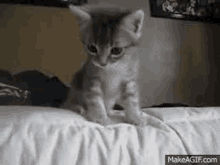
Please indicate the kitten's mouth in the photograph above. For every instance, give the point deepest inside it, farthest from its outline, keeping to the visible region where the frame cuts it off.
(102, 65)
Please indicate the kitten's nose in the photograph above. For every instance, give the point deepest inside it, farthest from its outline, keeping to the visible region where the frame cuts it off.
(103, 60)
(103, 64)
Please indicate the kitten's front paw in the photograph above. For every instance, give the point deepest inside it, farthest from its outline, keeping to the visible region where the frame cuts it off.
(100, 120)
(137, 119)
(73, 107)
(78, 109)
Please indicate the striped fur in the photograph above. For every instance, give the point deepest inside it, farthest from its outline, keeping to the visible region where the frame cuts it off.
(108, 77)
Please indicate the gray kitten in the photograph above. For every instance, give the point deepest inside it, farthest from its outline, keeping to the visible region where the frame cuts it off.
(109, 75)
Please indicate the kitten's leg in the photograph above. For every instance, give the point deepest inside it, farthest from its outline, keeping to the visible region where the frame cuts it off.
(71, 102)
(131, 104)
(95, 107)
(109, 104)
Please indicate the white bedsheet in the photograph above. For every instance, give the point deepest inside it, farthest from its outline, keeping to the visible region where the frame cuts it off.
(49, 136)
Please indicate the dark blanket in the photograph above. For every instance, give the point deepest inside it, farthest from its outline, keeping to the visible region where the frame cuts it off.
(42, 90)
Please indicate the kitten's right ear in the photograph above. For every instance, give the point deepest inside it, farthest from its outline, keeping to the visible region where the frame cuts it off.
(81, 15)
(133, 23)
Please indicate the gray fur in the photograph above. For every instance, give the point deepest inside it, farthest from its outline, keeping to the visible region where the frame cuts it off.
(110, 37)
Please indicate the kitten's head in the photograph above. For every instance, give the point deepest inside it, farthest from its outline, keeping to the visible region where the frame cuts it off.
(108, 33)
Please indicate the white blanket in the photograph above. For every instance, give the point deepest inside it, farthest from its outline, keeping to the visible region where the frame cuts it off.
(49, 136)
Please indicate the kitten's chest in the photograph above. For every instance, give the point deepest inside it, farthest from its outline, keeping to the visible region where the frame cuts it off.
(111, 83)
(113, 78)
(124, 71)
(109, 78)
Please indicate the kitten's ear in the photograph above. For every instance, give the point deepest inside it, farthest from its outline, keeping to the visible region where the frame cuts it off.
(133, 23)
(81, 15)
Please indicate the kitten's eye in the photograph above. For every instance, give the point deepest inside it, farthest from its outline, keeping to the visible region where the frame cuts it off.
(92, 48)
(116, 50)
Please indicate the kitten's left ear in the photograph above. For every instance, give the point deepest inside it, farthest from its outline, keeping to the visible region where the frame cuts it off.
(133, 23)
(81, 15)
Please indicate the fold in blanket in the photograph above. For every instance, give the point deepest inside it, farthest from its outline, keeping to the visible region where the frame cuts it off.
(9, 90)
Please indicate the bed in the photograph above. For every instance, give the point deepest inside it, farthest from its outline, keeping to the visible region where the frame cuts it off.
(36, 131)
(52, 136)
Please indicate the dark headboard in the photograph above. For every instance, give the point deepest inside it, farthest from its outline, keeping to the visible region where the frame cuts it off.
(194, 10)
(46, 3)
